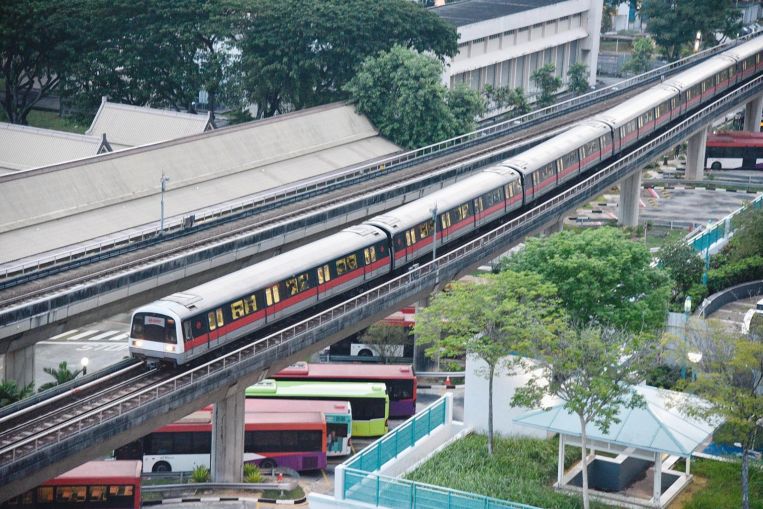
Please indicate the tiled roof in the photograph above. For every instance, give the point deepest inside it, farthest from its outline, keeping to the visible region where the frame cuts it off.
(23, 147)
(137, 125)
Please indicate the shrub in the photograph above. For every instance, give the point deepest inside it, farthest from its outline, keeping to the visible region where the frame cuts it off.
(200, 473)
(663, 376)
(697, 293)
(747, 269)
(252, 473)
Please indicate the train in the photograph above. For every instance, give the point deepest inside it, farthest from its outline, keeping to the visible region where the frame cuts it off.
(185, 325)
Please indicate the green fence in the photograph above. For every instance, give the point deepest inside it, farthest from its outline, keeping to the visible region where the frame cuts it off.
(386, 491)
(717, 231)
(401, 438)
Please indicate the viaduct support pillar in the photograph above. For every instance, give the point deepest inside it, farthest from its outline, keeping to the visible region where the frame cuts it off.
(19, 366)
(695, 156)
(752, 112)
(630, 196)
(228, 437)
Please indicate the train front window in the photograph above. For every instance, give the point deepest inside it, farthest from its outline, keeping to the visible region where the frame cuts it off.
(153, 327)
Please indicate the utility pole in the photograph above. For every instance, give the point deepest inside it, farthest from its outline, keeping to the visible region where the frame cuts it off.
(163, 182)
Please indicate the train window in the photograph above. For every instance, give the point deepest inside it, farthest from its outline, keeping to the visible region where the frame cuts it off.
(219, 314)
(407, 238)
(509, 191)
(425, 229)
(324, 275)
(478, 205)
(370, 255)
(352, 262)
(187, 332)
(272, 295)
(462, 211)
(291, 286)
(211, 318)
(445, 220)
(303, 282)
(237, 309)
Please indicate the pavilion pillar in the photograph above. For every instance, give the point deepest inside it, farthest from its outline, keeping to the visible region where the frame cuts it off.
(695, 155)
(560, 466)
(630, 196)
(228, 437)
(688, 465)
(657, 493)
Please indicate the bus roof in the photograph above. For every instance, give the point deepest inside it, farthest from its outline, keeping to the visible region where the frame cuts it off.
(348, 371)
(735, 139)
(201, 420)
(310, 389)
(102, 470)
(255, 405)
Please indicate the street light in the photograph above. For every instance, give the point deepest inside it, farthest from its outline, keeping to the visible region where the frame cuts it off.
(84, 362)
(163, 182)
(694, 358)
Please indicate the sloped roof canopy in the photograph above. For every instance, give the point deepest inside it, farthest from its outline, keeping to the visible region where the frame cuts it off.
(659, 426)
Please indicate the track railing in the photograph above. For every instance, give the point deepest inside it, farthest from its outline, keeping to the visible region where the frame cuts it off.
(306, 188)
(426, 275)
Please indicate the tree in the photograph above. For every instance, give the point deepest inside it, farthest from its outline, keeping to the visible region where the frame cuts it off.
(489, 319)
(602, 277)
(747, 240)
(593, 370)
(641, 56)
(578, 79)
(674, 23)
(39, 42)
(61, 375)
(401, 93)
(548, 84)
(518, 100)
(682, 264)
(300, 53)
(729, 378)
(10, 392)
(388, 340)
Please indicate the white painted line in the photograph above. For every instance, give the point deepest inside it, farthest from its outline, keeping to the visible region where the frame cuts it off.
(75, 343)
(82, 335)
(120, 337)
(103, 335)
(64, 334)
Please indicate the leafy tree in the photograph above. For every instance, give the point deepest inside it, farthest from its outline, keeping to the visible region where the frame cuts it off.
(518, 100)
(730, 378)
(61, 375)
(10, 392)
(641, 56)
(593, 371)
(507, 97)
(747, 240)
(388, 340)
(489, 319)
(674, 23)
(401, 93)
(300, 53)
(578, 79)
(602, 276)
(547, 82)
(683, 266)
(39, 42)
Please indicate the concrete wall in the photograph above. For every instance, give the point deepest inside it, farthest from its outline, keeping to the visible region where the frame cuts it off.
(475, 401)
(505, 51)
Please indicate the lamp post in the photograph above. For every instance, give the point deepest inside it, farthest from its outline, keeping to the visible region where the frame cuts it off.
(84, 362)
(694, 358)
(163, 182)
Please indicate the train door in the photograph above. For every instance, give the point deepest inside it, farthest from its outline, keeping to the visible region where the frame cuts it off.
(444, 227)
(215, 321)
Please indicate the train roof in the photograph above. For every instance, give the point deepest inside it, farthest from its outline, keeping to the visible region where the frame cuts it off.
(557, 147)
(699, 73)
(102, 471)
(747, 49)
(636, 105)
(349, 371)
(447, 198)
(336, 390)
(266, 272)
(271, 405)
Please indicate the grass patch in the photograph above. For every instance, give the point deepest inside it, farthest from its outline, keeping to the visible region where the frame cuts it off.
(718, 484)
(521, 470)
(658, 237)
(294, 494)
(51, 120)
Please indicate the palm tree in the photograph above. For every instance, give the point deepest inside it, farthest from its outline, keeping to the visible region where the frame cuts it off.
(62, 374)
(10, 392)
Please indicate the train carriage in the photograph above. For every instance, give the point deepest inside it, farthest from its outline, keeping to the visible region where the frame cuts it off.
(748, 58)
(701, 83)
(185, 325)
(476, 200)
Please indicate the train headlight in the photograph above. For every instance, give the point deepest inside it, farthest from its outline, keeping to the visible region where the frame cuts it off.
(137, 342)
(169, 348)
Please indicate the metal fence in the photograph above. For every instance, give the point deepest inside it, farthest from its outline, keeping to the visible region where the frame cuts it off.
(720, 229)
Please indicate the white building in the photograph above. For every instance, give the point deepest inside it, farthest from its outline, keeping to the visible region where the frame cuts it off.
(501, 42)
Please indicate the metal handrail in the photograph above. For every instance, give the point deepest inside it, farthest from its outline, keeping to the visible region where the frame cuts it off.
(445, 261)
(383, 165)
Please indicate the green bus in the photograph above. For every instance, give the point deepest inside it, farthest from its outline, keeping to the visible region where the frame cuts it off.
(369, 401)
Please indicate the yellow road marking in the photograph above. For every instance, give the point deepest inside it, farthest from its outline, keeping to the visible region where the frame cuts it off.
(324, 475)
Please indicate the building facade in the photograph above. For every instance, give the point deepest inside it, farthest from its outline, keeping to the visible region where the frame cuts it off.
(502, 42)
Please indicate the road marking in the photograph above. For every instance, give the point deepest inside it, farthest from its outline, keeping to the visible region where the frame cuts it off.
(325, 476)
(103, 335)
(64, 334)
(75, 343)
(82, 335)
(120, 337)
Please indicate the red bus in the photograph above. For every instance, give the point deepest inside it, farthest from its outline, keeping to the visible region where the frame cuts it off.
(293, 440)
(399, 379)
(734, 150)
(96, 484)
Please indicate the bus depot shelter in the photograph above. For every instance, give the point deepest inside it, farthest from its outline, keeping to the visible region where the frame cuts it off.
(632, 464)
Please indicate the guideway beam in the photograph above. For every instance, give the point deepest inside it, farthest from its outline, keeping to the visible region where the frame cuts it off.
(228, 437)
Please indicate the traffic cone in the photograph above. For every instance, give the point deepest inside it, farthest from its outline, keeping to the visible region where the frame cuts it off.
(280, 477)
(447, 382)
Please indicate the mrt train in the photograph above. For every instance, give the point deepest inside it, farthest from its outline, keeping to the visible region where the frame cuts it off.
(185, 325)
